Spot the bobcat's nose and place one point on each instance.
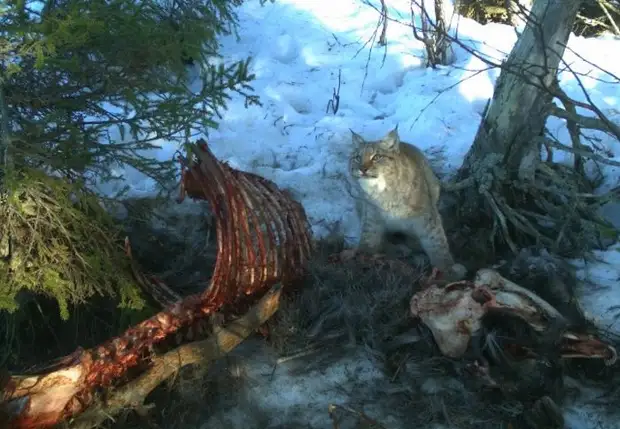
(364, 169)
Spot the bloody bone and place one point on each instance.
(454, 313)
(243, 204)
(263, 238)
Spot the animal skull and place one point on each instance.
(454, 313)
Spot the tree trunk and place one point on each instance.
(518, 111)
(445, 53)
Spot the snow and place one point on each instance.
(299, 48)
(297, 396)
(602, 296)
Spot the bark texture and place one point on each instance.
(445, 53)
(517, 113)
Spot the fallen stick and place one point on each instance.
(361, 419)
(223, 340)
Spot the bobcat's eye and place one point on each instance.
(376, 157)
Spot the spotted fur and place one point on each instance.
(399, 193)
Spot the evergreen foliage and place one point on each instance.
(87, 86)
(61, 243)
(80, 67)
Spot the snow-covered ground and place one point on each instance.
(301, 46)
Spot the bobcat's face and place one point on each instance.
(368, 163)
(373, 159)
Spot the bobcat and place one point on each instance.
(399, 193)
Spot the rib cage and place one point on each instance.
(262, 234)
(263, 237)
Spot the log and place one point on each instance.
(223, 340)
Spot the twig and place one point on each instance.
(332, 408)
(459, 186)
(590, 105)
(586, 122)
(334, 103)
(604, 5)
(582, 152)
(565, 224)
(592, 22)
(224, 339)
(443, 91)
(571, 125)
(429, 41)
(502, 220)
(371, 40)
(383, 37)
(300, 354)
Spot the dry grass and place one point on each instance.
(346, 302)
(349, 305)
(352, 305)
(362, 308)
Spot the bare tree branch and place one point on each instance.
(585, 121)
(605, 6)
(434, 36)
(383, 37)
(531, 73)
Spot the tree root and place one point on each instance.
(223, 340)
(552, 206)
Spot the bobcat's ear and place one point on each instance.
(392, 140)
(356, 138)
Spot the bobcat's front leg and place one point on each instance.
(429, 229)
(372, 234)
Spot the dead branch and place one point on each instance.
(371, 41)
(383, 37)
(223, 340)
(361, 418)
(611, 127)
(605, 6)
(434, 36)
(586, 121)
(524, 70)
(334, 102)
(572, 126)
(580, 151)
